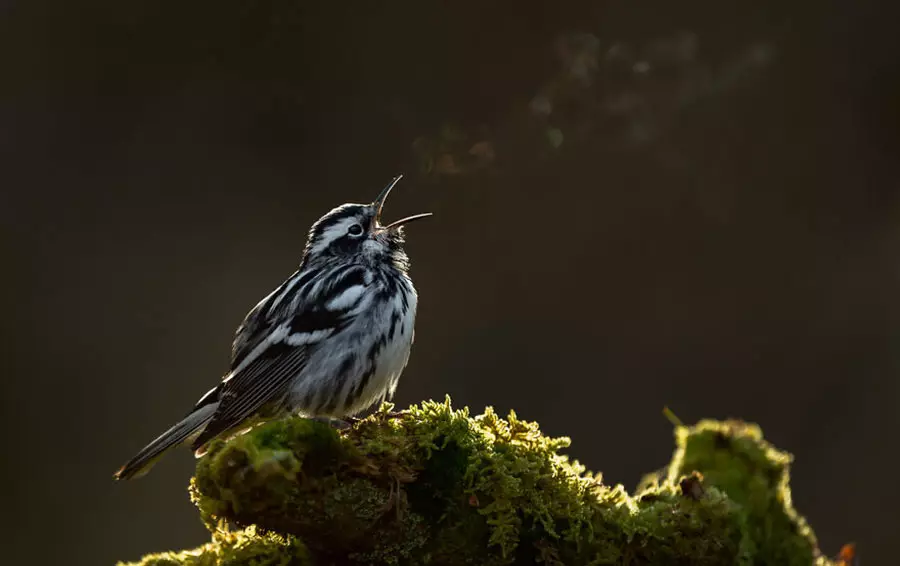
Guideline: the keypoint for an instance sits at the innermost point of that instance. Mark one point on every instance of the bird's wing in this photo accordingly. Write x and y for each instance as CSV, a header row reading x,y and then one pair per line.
x,y
258,382
263,370
251,332
258,323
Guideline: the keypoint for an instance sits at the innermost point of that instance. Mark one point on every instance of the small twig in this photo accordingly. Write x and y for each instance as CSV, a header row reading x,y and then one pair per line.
x,y
667,412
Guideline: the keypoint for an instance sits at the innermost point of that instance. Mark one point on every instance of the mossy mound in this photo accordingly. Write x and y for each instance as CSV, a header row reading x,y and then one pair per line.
x,y
435,486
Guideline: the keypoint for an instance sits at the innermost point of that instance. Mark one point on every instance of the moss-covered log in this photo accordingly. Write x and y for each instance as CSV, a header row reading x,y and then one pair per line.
x,y
435,486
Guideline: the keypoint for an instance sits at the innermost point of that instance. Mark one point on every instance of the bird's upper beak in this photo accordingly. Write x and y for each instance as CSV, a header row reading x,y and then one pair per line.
x,y
379,205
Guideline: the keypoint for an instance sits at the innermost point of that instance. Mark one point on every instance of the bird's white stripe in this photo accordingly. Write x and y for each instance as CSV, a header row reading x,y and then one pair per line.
x,y
332,233
277,335
303,338
346,299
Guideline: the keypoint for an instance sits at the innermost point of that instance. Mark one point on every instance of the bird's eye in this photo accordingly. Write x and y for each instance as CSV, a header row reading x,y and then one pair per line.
x,y
355,230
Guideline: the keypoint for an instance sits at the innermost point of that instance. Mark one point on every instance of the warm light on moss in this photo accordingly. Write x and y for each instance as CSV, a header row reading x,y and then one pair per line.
x,y
243,548
756,476
433,485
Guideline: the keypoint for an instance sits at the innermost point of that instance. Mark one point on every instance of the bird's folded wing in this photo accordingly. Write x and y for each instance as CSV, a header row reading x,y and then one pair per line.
x,y
277,359
260,381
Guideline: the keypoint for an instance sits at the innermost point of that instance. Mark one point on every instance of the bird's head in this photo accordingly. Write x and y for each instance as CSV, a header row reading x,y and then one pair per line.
x,y
357,230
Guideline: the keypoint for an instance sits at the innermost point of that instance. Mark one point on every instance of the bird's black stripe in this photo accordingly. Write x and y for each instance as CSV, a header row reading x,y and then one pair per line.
x,y
372,358
277,298
319,319
336,385
345,368
308,275
350,398
403,297
355,277
299,286
395,319
340,379
322,318
361,384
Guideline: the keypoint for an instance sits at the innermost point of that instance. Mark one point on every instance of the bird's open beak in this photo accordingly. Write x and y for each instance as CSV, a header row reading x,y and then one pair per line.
x,y
379,205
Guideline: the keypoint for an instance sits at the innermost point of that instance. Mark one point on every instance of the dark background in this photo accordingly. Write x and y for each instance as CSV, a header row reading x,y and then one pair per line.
x,y
717,232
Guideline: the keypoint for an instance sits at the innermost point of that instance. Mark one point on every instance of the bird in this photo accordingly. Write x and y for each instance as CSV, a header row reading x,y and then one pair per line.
x,y
328,343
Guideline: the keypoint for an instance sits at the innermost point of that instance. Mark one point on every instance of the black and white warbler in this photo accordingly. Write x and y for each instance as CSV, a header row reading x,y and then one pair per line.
x,y
330,341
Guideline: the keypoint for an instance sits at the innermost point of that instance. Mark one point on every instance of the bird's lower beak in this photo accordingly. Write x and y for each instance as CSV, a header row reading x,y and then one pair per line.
x,y
379,206
398,223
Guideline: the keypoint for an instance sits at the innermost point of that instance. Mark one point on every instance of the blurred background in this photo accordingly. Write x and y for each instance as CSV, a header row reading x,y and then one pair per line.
x,y
637,205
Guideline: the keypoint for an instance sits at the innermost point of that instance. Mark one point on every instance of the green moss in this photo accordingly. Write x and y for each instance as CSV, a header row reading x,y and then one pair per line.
x,y
244,548
433,485
734,456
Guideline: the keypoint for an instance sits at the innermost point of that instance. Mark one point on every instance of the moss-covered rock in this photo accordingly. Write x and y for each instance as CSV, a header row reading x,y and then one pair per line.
x,y
435,486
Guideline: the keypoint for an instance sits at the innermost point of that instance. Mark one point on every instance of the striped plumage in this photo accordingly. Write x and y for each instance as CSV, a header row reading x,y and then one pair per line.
x,y
330,341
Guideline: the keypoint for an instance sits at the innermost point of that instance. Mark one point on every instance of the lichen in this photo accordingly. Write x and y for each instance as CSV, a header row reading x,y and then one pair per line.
x,y
433,485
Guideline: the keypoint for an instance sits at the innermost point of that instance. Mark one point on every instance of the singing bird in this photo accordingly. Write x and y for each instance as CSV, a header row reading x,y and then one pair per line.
x,y
329,342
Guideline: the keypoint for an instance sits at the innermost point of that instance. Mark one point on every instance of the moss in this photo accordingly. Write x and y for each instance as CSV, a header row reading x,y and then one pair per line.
x,y
432,485
734,456
243,548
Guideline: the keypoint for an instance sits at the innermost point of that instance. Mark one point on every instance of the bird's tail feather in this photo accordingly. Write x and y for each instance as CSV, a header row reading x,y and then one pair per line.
x,y
184,430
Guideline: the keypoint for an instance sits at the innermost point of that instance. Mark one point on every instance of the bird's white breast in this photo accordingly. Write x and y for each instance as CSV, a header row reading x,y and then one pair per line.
x,y
328,374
